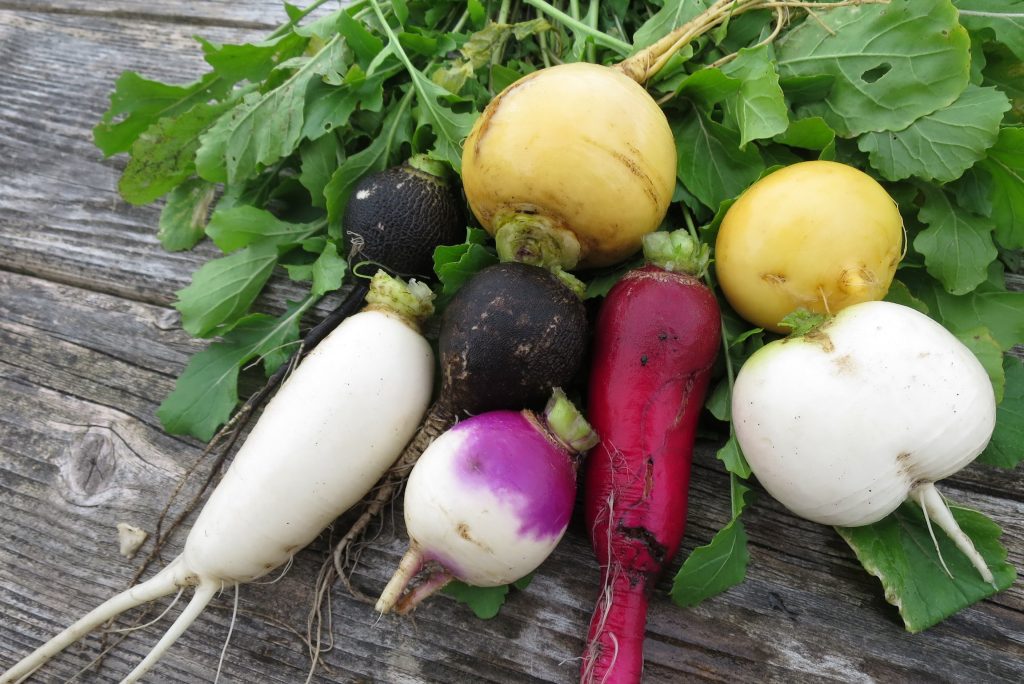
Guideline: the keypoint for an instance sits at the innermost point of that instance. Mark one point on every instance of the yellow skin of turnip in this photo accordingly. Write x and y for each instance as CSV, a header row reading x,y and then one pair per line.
x,y
580,149
818,235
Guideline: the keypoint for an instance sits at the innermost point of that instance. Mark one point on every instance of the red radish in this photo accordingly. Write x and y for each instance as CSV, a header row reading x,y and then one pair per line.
x,y
657,336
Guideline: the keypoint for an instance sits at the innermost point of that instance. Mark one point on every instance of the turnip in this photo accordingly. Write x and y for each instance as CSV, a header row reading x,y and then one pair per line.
x,y
656,340
336,425
844,423
510,335
817,235
489,500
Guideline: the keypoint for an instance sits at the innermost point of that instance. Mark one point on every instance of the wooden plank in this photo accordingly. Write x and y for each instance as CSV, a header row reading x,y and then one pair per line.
x,y
252,14
60,214
80,451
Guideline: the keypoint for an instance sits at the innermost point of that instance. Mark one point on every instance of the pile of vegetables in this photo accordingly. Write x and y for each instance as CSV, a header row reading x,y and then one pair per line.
x,y
823,155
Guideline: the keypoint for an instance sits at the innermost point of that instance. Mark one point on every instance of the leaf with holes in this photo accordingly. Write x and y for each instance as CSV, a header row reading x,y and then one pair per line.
x,y
892,63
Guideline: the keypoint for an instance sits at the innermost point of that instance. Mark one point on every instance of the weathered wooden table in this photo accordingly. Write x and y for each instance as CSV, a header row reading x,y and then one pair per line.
x,y
89,345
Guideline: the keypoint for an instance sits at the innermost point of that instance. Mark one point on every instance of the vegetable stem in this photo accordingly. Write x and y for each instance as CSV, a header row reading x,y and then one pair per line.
x,y
567,424
578,26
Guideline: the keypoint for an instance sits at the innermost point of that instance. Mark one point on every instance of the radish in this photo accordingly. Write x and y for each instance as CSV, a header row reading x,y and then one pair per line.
x,y
656,339
332,430
508,336
489,500
844,423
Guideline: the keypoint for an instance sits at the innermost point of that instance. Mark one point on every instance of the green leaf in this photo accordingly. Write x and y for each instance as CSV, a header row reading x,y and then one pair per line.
x,y
893,63
366,45
813,133
713,568
673,13
137,103
164,154
942,145
1004,17
899,551
711,164
251,62
708,86
1001,312
899,293
271,127
207,391
759,108
1006,72
1005,165
986,349
450,128
973,191
732,457
184,216
328,270
1006,449
957,246
319,160
455,264
223,289
485,602
240,226
210,160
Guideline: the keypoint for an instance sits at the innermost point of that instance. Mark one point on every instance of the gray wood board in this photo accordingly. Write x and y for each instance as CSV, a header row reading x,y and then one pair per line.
x,y
91,346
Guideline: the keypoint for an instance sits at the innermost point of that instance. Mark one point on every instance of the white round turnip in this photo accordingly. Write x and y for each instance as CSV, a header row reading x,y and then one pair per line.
x,y
846,422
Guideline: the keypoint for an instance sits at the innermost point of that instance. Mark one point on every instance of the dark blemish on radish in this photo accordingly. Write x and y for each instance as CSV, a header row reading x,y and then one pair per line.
x,y
773,278
507,464
643,360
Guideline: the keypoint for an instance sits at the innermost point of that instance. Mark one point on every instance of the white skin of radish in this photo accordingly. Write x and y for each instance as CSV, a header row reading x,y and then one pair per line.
x,y
844,436
477,532
326,437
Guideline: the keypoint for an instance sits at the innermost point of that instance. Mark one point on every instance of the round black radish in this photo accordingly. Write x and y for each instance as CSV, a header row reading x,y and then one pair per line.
x,y
397,217
508,336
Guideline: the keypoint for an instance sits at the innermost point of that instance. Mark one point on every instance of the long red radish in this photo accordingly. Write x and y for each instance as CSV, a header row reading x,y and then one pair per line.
x,y
336,425
656,339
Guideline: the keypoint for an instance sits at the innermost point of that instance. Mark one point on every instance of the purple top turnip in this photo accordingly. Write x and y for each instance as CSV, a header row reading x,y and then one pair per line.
x,y
489,500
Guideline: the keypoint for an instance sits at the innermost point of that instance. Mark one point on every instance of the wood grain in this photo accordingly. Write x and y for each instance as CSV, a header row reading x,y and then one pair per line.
x,y
91,345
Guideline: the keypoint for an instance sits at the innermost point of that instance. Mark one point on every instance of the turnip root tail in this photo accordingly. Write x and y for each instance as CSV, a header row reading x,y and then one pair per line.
x,y
163,583
395,598
935,508
204,592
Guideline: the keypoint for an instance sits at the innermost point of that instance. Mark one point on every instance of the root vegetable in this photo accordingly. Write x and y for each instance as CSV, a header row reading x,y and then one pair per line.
x,y
489,500
844,423
816,235
575,161
332,430
510,335
657,336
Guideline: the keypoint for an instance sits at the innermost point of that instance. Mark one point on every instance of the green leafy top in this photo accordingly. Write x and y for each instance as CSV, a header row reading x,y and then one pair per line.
x,y
261,152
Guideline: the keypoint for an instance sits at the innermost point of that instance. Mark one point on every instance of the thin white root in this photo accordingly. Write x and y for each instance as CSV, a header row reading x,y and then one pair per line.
x,y
204,592
928,497
161,584
227,639
411,563
931,533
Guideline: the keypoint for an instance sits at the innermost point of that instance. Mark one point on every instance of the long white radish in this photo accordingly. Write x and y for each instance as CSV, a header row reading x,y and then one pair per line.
x,y
324,440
